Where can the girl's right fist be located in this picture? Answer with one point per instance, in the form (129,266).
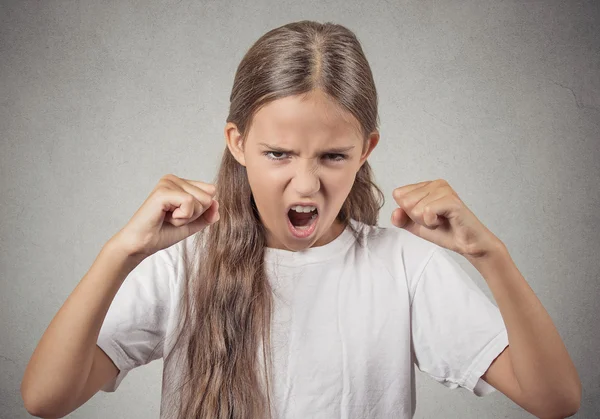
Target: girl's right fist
(175,209)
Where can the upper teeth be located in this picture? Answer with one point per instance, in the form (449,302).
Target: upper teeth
(300,208)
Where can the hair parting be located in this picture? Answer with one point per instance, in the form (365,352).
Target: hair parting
(227,302)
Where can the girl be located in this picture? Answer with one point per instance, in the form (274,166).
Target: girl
(272,293)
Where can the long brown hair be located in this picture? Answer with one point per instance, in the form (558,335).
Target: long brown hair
(227,302)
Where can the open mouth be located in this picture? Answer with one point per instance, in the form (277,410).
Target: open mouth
(302,220)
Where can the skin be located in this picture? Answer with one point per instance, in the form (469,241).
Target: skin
(309,128)
(535,371)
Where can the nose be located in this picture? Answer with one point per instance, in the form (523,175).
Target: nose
(305,181)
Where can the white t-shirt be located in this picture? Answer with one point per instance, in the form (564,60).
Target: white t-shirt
(349,321)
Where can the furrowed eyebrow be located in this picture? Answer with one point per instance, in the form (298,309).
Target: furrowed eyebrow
(338,150)
(275,148)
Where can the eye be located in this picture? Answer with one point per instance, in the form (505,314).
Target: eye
(274,155)
(335,157)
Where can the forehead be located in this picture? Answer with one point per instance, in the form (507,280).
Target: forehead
(314,115)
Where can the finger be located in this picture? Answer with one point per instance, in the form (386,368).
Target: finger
(411,199)
(206,187)
(209,188)
(210,216)
(401,192)
(190,208)
(424,213)
(203,192)
(399,217)
(199,194)
(180,207)
(446,206)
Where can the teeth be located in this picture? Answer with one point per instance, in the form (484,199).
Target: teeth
(300,208)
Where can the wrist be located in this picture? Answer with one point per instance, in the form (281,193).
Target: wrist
(121,248)
(495,256)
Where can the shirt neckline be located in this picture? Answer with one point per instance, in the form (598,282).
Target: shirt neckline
(313,254)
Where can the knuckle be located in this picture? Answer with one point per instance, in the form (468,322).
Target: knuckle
(161,190)
(202,203)
(164,183)
(204,198)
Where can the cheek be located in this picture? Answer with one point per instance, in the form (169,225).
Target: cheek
(267,179)
(338,183)
(267,185)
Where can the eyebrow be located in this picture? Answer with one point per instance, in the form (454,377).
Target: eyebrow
(337,150)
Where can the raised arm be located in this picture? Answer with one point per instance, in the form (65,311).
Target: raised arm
(67,368)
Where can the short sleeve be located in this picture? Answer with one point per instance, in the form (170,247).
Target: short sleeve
(457,331)
(133,331)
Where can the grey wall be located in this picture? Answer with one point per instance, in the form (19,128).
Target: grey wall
(98,100)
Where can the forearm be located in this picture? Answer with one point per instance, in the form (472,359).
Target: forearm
(61,362)
(540,359)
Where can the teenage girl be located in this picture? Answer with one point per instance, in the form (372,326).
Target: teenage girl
(273,292)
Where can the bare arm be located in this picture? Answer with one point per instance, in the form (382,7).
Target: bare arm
(535,371)
(67,367)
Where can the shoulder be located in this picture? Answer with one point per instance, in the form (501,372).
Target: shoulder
(180,252)
(168,268)
(386,240)
(397,248)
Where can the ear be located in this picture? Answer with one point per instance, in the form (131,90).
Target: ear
(369,146)
(235,143)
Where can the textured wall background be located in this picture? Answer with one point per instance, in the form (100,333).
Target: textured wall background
(98,100)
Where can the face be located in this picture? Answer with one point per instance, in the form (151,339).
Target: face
(301,150)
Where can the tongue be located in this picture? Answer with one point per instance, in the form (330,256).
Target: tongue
(299,219)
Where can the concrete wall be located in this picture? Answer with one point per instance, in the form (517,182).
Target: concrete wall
(98,100)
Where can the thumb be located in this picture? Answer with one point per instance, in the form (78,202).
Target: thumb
(399,217)
(210,216)
(401,220)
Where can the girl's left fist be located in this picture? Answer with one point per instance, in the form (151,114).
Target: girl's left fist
(433,211)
